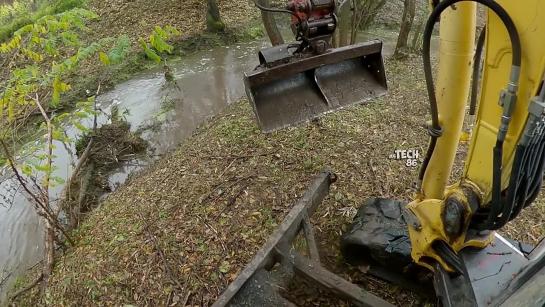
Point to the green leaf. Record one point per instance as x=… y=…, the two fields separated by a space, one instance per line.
x=58 y=180
x=43 y=168
x=58 y=135
x=82 y=115
x=172 y=31
x=225 y=267
x=158 y=42
x=104 y=58
x=79 y=126
x=120 y=49
x=27 y=170
x=150 y=54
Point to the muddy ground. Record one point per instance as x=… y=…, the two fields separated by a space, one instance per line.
x=179 y=232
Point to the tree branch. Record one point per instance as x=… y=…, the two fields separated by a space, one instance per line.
x=27 y=288
x=45 y=213
x=47 y=179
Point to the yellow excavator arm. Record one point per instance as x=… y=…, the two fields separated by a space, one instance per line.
x=450 y=226
x=503 y=167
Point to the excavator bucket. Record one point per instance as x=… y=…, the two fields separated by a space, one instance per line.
x=286 y=90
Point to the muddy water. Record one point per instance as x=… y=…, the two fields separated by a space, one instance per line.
x=204 y=84
x=165 y=113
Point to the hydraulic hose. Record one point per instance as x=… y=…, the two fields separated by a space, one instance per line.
x=435 y=129
x=527 y=171
x=476 y=71
x=273 y=10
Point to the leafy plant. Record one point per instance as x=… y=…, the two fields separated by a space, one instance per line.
x=24 y=12
x=158 y=42
x=42 y=57
x=118 y=53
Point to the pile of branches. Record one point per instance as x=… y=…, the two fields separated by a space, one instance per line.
x=99 y=153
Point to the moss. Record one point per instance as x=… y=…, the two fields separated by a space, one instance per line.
x=214 y=26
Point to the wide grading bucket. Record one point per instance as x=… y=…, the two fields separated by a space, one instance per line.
x=304 y=88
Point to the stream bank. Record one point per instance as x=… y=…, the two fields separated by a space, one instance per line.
x=164 y=114
x=154 y=111
x=181 y=230
x=135 y=20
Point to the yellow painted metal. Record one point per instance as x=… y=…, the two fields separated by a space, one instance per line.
x=456 y=50
x=529 y=18
x=452 y=91
x=431 y=229
x=457 y=43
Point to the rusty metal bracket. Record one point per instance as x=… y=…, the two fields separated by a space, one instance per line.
x=277 y=262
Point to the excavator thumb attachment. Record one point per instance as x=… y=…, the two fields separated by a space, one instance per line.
x=288 y=89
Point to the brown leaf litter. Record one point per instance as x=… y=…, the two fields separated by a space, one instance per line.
x=180 y=232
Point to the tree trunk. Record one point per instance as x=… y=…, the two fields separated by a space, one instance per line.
x=213 y=18
x=342 y=35
x=416 y=35
x=409 y=10
x=49 y=251
x=270 y=25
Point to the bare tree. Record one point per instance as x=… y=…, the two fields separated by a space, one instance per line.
x=422 y=11
x=38 y=194
x=269 y=22
x=417 y=35
x=355 y=15
x=369 y=10
x=213 y=17
x=409 y=10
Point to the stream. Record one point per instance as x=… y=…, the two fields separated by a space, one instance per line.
x=165 y=114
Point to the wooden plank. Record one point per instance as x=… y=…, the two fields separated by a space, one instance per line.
x=311 y=239
x=334 y=283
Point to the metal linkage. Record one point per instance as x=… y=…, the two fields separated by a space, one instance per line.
x=277 y=263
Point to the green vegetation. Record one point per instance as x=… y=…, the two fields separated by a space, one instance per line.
x=25 y=12
x=43 y=56
x=157 y=43
x=51 y=58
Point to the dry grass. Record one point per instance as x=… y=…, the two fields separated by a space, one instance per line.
x=180 y=231
x=212 y=203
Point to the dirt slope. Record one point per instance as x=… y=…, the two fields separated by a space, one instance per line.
x=180 y=232
x=139 y=17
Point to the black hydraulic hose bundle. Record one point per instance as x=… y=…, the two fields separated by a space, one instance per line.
x=526 y=182
x=526 y=176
